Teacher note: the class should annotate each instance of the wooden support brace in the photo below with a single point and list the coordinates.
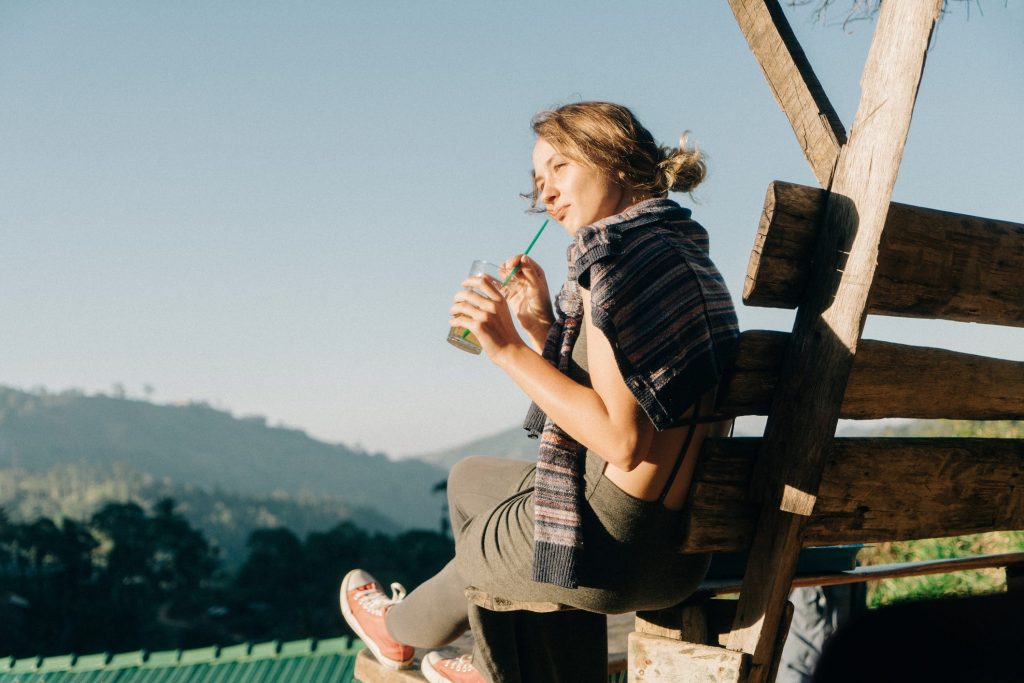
(792, 80)
(802, 423)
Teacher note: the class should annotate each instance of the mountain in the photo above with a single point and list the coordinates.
(512, 444)
(197, 445)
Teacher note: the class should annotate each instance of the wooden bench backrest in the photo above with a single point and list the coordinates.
(931, 264)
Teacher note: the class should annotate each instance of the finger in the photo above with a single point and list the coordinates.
(466, 311)
(481, 302)
(466, 324)
(529, 270)
(530, 264)
(510, 264)
(491, 288)
(484, 283)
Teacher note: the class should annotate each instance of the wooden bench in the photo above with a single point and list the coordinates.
(872, 489)
(930, 264)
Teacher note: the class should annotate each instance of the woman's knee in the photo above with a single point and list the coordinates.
(482, 474)
(464, 470)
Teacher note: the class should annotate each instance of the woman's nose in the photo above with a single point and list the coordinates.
(548, 194)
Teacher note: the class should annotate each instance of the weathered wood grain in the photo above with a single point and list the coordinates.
(369, 670)
(679, 622)
(931, 264)
(887, 380)
(872, 490)
(653, 658)
(791, 79)
(829, 321)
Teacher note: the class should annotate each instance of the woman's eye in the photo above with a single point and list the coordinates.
(559, 165)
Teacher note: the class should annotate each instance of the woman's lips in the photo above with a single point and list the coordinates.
(559, 213)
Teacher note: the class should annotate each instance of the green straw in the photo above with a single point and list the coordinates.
(509, 277)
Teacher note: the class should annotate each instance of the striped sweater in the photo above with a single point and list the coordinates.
(665, 309)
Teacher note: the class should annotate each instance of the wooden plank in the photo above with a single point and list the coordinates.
(793, 83)
(872, 490)
(877, 573)
(679, 622)
(653, 658)
(801, 426)
(369, 670)
(931, 264)
(887, 380)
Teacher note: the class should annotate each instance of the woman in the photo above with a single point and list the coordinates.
(623, 382)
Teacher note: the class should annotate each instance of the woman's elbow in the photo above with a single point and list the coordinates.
(627, 454)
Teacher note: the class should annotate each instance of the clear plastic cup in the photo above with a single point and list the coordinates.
(460, 337)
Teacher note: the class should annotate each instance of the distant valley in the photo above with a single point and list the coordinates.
(66, 454)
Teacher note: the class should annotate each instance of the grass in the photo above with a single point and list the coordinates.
(974, 582)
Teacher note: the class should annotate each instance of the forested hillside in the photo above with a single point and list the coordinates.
(66, 453)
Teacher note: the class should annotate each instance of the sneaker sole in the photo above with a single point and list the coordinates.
(430, 673)
(368, 642)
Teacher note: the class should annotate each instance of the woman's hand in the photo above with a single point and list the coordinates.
(486, 315)
(528, 297)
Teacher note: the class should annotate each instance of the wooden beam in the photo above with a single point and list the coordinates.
(801, 425)
(872, 490)
(931, 264)
(791, 79)
(653, 658)
(887, 380)
(679, 622)
(877, 572)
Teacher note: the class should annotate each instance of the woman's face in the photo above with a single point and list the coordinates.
(573, 194)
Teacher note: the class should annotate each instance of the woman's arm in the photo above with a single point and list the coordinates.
(606, 418)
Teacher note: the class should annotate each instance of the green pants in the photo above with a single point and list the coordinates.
(629, 562)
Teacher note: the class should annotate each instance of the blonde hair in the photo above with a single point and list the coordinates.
(608, 137)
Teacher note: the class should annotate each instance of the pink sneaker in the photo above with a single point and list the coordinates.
(364, 604)
(457, 670)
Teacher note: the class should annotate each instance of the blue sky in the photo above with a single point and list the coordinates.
(267, 206)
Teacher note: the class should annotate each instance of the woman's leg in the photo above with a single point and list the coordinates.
(477, 483)
(436, 613)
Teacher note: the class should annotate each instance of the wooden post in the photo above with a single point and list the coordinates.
(805, 412)
(796, 88)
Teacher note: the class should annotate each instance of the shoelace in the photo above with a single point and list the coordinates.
(373, 600)
(462, 663)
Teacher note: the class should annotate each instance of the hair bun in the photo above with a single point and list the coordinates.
(681, 169)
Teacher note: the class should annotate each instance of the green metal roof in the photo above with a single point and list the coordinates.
(324, 661)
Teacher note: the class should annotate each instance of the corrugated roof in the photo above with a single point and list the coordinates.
(312, 661)
(298, 661)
